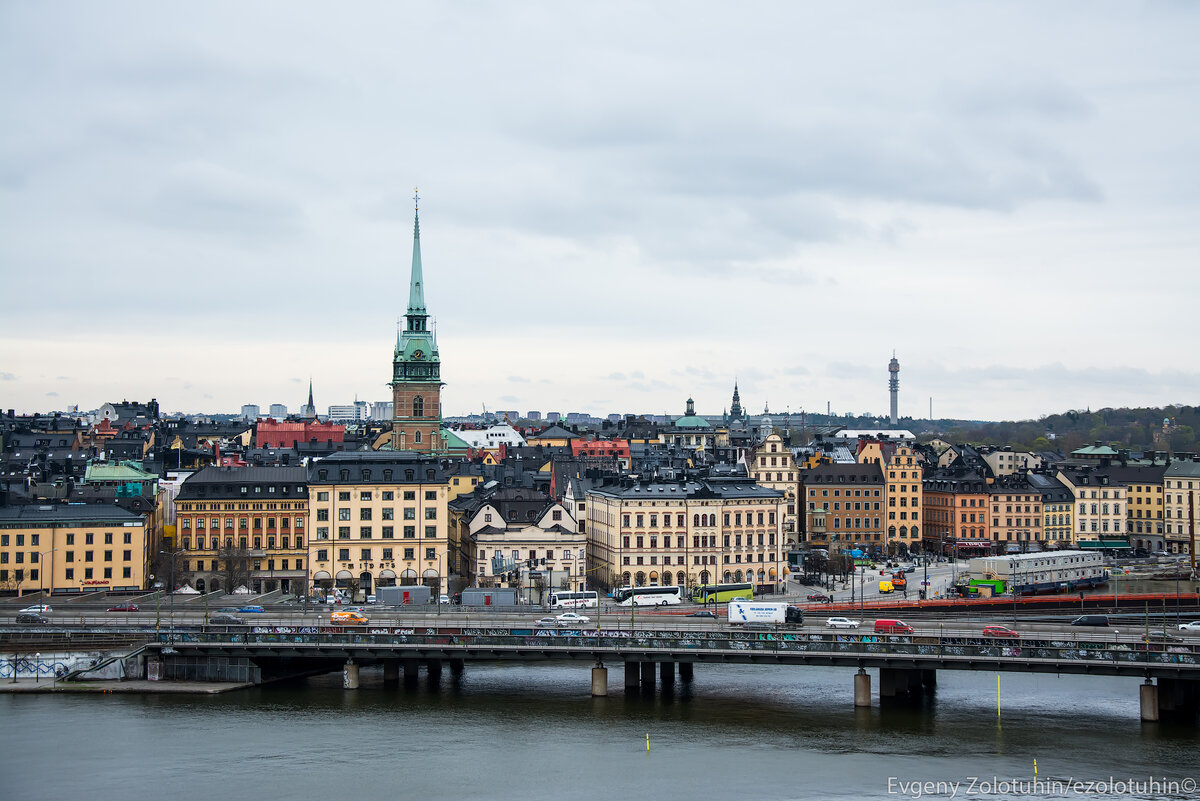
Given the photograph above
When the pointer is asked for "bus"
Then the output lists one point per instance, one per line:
(722, 593)
(648, 596)
(576, 599)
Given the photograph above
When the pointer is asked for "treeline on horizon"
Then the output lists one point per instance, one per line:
(1136, 429)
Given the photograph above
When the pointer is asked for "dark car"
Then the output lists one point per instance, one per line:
(32, 619)
(704, 613)
(123, 608)
(1090, 620)
(816, 596)
(225, 620)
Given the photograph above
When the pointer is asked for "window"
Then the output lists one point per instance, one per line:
(387, 553)
(344, 554)
(410, 513)
(388, 513)
(322, 554)
(344, 496)
(418, 406)
(70, 574)
(322, 496)
(364, 514)
(364, 532)
(410, 532)
(389, 532)
(343, 514)
(408, 553)
(431, 495)
(431, 513)
(107, 538)
(430, 553)
(343, 532)
(365, 554)
(410, 495)
(431, 531)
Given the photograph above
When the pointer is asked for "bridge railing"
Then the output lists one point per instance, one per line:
(950, 648)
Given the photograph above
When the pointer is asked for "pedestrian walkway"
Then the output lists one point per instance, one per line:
(133, 686)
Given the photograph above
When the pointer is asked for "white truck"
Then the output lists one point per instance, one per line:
(742, 612)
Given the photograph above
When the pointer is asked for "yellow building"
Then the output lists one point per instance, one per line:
(72, 548)
(1017, 517)
(902, 489)
(1181, 506)
(1100, 505)
(686, 532)
(243, 526)
(379, 518)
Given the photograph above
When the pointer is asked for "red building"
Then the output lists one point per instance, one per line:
(615, 449)
(272, 434)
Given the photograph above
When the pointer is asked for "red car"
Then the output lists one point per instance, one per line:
(999, 631)
(816, 596)
(123, 608)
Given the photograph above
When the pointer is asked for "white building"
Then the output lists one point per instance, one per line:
(278, 411)
(491, 438)
(356, 412)
(1050, 571)
(250, 411)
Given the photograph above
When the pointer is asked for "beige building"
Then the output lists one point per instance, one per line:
(1017, 516)
(773, 466)
(1100, 506)
(1007, 462)
(1181, 506)
(379, 519)
(72, 548)
(686, 532)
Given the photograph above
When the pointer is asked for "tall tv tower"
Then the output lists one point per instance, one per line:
(894, 385)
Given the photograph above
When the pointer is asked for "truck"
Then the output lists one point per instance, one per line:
(406, 595)
(741, 612)
(489, 596)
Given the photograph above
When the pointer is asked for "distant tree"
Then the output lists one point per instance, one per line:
(234, 565)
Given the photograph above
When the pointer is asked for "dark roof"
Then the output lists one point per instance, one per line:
(61, 513)
(553, 432)
(844, 474)
(212, 482)
(376, 467)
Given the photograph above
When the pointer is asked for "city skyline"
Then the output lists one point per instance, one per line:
(615, 216)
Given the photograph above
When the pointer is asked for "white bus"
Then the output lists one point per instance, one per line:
(648, 596)
(578, 599)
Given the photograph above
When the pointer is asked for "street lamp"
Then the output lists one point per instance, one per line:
(42, 572)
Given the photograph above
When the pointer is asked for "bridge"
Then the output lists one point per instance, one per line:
(907, 664)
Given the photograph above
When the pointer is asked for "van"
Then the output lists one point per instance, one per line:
(886, 586)
(1090, 620)
(891, 626)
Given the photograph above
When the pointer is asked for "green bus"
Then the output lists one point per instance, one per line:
(722, 593)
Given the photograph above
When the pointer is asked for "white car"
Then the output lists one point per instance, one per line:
(841, 623)
(38, 608)
(545, 622)
(571, 619)
(1193, 626)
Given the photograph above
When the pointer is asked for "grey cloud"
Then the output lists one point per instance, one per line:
(518, 379)
(7, 377)
(52, 394)
(616, 376)
(1041, 98)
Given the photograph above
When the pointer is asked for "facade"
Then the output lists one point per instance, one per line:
(1100, 505)
(955, 508)
(278, 411)
(1006, 462)
(285, 434)
(350, 413)
(773, 466)
(72, 548)
(687, 533)
(1058, 510)
(379, 518)
(1062, 571)
(523, 525)
(904, 494)
(416, 370)
(250, 411)
(1181, 506)
(243, 525)
(692, 432)
(845, 506)
(1144, 511)
(1016, 511)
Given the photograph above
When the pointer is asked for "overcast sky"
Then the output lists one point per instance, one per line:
(622, 204)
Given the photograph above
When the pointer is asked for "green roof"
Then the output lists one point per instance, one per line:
(116, 472)
(692, 421)
(454, 441)
(1094, 450)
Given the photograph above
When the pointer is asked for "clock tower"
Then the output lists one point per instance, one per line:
(416, 369)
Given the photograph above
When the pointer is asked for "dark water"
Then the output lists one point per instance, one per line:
(533, 732)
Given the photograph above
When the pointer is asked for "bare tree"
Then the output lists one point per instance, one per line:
(234, 566)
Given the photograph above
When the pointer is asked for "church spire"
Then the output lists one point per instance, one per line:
(416, 285)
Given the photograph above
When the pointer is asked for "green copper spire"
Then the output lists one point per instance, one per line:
(416, 287)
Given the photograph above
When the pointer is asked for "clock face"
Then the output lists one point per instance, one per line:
(418, 354)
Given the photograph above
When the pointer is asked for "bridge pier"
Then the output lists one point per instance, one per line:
(631, 675)
(599, 681)
(433, 669)
(904, 683)
(862, 688)
(350, 676)
(686, 670)
(647, 674)
(456, 667)
(1178, 699)
(391, 672)
(1148, 696)
(410, 670)
(666, 671)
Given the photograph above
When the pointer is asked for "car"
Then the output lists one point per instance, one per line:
(999, 631)
(892, 626)
(1090, 620)
(841, 623)
(346, 617)
(371, 599)
(1193, 626)
(443, 598)
(32, 618)
(358, 609)
(704, 613)
(571, 619)
(250, 609)
(1160, 637)
(223, 619)
(816, 596)
(910, 569)
(545, 622)
(37, 608)
(123, 608)
(227, 610)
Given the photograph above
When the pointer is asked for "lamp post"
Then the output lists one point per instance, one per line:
(172, 555)
(42, 572)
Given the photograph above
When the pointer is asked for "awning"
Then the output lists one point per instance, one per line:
(387, 574)
(1093, 544)
(344, 574)
(321, 575)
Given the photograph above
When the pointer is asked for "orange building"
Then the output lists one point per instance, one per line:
(955, 509)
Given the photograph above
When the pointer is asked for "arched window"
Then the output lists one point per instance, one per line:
(418, 407)
(417, 437)
(695, 520)
(667, 578)
(641, 578)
